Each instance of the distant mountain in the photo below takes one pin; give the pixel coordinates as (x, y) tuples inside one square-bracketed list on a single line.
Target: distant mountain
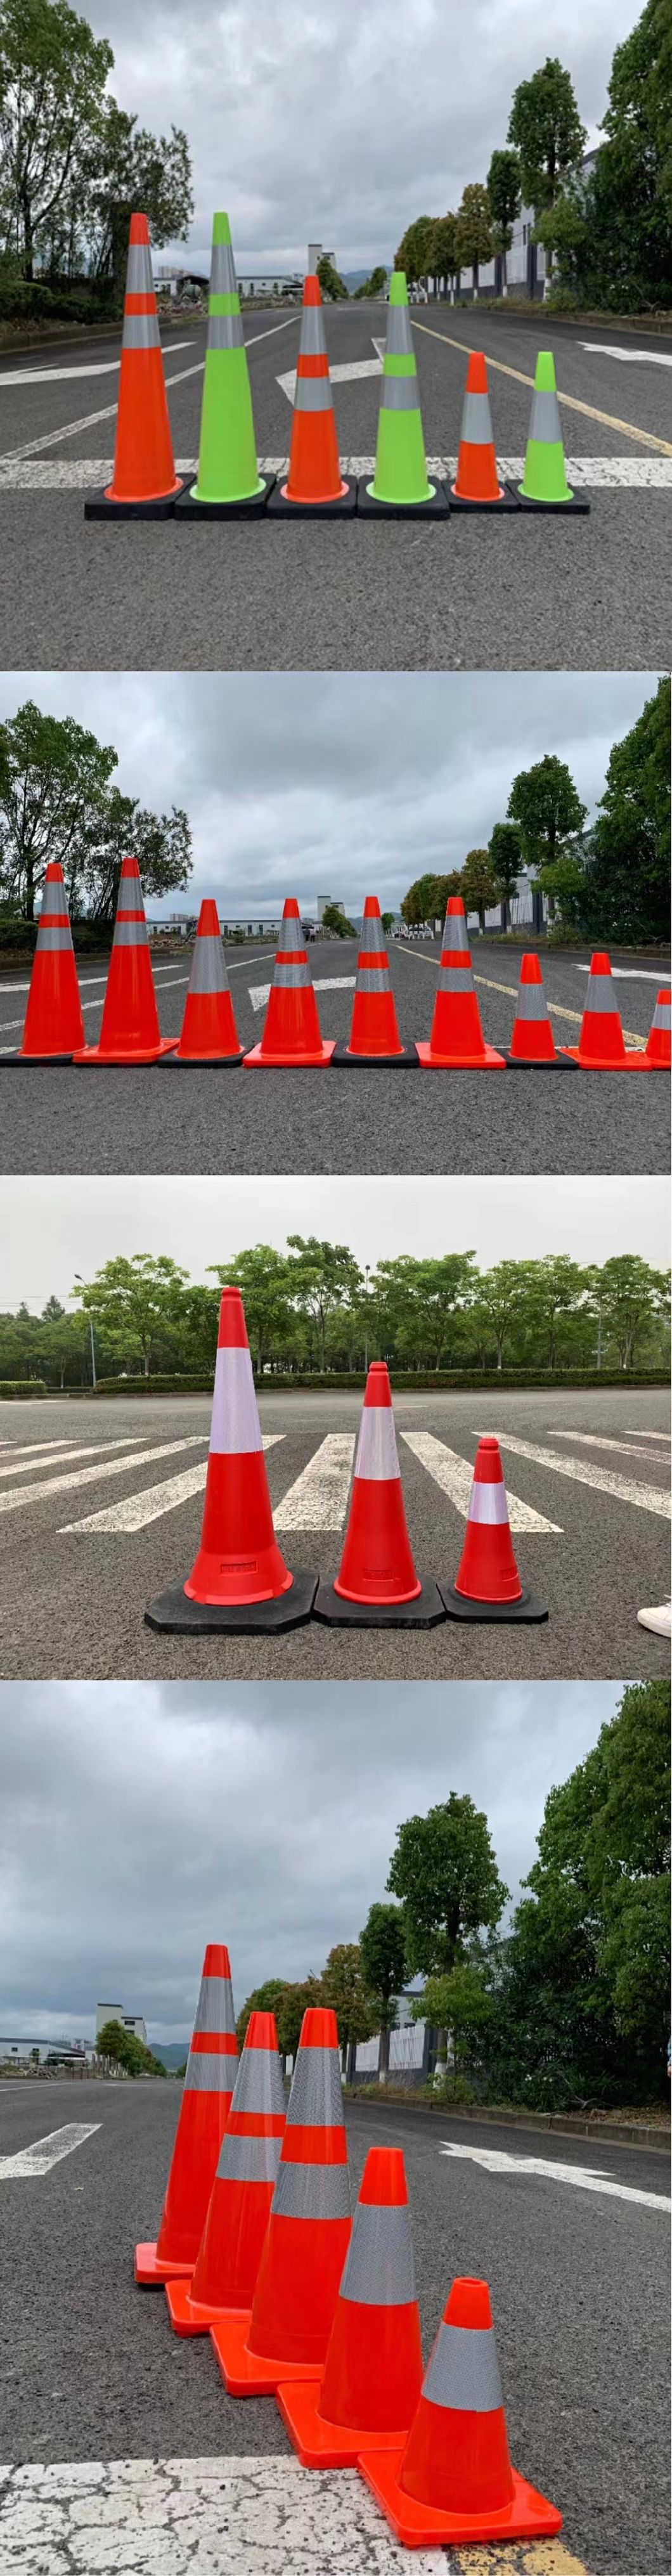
[(353, 277), (171, 2056)]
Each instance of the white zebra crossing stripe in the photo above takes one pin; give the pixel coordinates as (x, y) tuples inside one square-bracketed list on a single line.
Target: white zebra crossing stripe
[(241, 2515), (88, 1475), (94, 1448), (648, 1498), (137, 1510), (628, 1448), (318, 1499), (455, 1476), (259, 993), (582, 2177), (32, 2161)]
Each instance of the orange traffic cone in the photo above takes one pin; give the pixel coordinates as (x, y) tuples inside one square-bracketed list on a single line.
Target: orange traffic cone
[(452, 2480), (532, 1041), (204, 2111), (658, 1041), (292, 1033), (487, 1585), (314, 482), (130, 1032), (601, 1047), (457, 1037), (286, 2334), (144, 482), (374, 1034), (477, 485), (231, 2245), (373, 2370), (53, 1027), (240, 1581), (377, 1586), (208, 1034)]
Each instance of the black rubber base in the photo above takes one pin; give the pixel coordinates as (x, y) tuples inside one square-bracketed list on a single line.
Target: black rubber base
[(279, 508), (368, 508), (179, 1617), (502, 1614), (343, 1057), (204, 1063), (18, 1058), (98, 507), (425, 1612), (530, 1064), (577, 508), (490, 509), (251, 508)]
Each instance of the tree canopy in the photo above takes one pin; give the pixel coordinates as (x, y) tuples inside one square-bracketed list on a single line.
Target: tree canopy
[(58, 800), (73, 164)]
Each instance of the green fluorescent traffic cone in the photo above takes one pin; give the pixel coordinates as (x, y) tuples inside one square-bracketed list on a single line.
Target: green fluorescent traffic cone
[(400, 480), (228, 478), (544, 485)]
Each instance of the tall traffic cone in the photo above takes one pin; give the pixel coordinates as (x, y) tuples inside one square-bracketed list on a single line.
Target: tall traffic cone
[(401, 481), (601, 1047), (477, 485), (452, 2480), (208, 1034), (377, 1586), (374, 1034), (130, 1032), (457, 1037), (204, 2111), (369, 2390), (228, 484), (292, 1033), (53, 1027), (239, 1582), (544, 485), (532, 1041), (487, 1585), (314, 482), (658, 1041), (144, 482), (285, 2336), (230, 2250)]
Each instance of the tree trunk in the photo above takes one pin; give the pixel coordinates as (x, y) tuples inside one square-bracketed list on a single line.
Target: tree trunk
[(474, 280), (505, 282), (146, 1359), (383, 2056)]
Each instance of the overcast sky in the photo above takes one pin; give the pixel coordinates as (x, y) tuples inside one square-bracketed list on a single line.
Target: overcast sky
[(336, 783), (140, 1820), (322, 120)]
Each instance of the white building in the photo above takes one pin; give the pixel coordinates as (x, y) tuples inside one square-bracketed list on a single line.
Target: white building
[(129, 2021), (250, 282)]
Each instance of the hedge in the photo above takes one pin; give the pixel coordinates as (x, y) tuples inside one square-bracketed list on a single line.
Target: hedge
[(10, 1386), (23, 300), (94, 936), (489, 1381)]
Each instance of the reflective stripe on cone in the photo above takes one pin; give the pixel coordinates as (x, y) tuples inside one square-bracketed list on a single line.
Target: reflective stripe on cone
[(285, 2335), (372, 2376), (314, 470), (601, 1047), (532, 1040), (130, 1032), (238, 1559), (658, 1041), (53, 1024), (374, 1028), (230, 2250), (208, 1030), (452, 2480), (228, 473), (544, 485), (488, 1584), (292, 1033), (204, 2111), (477, 480), (456, 1036), (377, 1561), (144, 466), (400, 478)]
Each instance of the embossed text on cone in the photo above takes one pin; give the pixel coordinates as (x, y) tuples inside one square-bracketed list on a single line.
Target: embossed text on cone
[(452, 2480), (208, 1035), (477, 485), (130, 1032), (144, 482), (601, 1047), (544, 485), (53, 1028), (658, 1041), (292, 1033), (374, 1034), (369, 2389), (229, 2254), (487, 1585), (228, 483), (533, 1047), (401, 482), (239, 1582), (204, 2111), (457, 1040), (377, 1585), (287, 2331), (315, 484)]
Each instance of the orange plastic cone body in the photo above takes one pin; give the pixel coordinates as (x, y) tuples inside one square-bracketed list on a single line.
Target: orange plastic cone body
[(532, 1036), (453, 2480), (231, 2245), (286, 2334), (477, 478), (144, 466), (204, 2111), (377, 1561), (658, 1042), (292, 1033), (130, 1032), (208, 1027), (238, 1559), (488, 1570), (457, 1037), (314, 469), (374, 1029), (601, 1046), (373, 2370), (53, 1023)]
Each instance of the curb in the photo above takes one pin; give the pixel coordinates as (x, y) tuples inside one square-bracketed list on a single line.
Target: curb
[(622, 2133)]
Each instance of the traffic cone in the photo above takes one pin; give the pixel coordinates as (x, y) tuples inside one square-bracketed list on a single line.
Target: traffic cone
[(144, 482), (369, 2390), (487, 1585), (130, 1032), (658, 1041), (239, 1582), (208, 1034), (400, 481), (286, 2333), (477, 485), (457, 1037), (452, 2480), (53, 1025), (601, 1047), (544, 485), (374, 1034), (377, 1586), (314, 482), (532, 1041), (292, 1033), (204, 2111), (230, 2250), (228, 484)]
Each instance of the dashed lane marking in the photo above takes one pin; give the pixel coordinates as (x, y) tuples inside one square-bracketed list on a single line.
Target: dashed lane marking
[(30, 2162), (580, 2177), (87, 1475), (648, 1498), (558, 1009), (628, 428), (137, 1510), (318, 1499), (455, 1477)]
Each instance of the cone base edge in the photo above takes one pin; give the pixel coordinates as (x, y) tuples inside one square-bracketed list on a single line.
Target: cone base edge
[(508, 500), (136, 1055), (175, 1615), (425, 1610), (100, 506), (488, 1062), (193, 2317), (634, 1061), (559, 1063), (248, 505), (342, 507), (574, 507), (211, 1063), (17, 1057), (252, 2374), (528, 2516), (460, 1605), (370, 506), (152, 2275), (348, 1057), (290, 1063), (318, 2443)]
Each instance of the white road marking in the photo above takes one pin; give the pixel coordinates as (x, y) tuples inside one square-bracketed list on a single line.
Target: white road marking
[(318, 1499), (648, 1498), (455, 1476), (46, 2152), (631, 357), (139, 1509), (259, 993), (66, 375), (161, 974), (629, 1448), (632, 974), (583, 2177), (239, 2516), (73, 428), (343, 375), (88, 1475), (93, 1005), (23, 1467), (32, 1448), (21, 469)]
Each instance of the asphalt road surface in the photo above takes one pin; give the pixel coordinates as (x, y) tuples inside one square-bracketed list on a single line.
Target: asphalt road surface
[(91, 2372), (154, 1119), (526, 593), (101, 1506)]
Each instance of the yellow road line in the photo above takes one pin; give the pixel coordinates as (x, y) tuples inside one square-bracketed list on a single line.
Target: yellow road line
[(524, 2558), (559, 1008), (645, 437)]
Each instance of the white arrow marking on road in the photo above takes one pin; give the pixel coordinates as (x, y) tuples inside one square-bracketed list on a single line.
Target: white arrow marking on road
[(632, 357), (634, 974), (344, 375), (65, 375), (455, 1477), (88, 1475), (46, 2151), (139, 1509), (323, 984), (649, 1498), (584, 2177), (319, 1497)]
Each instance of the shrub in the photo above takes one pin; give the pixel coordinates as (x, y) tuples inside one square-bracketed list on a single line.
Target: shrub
[(10, 1386)]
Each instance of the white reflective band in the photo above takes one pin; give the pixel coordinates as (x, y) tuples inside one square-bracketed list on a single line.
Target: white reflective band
[(316, 2098), (398, 342), (372, 935), (222, 270), (291, 936), (476, 422), (235, 1420), (311, 2191), (378, 2269), (207, 2073), (312, 343), (454, 932), (139, 280), (599, 994), (661, 1016), (47, 938), (545, 417), (130, 934), (248, 2159), (531, 1002), (488, 1503), (373, 979), (290, 978), (399, 393), (313, 393), (463, 2370), (225, 331), (259, 2086), (214, 2010), (376, 1458), (141, 331), (208, 970), (455, 979)]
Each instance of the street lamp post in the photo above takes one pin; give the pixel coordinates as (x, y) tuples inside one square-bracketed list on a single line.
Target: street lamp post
[(82, 1284), (367, 1267)]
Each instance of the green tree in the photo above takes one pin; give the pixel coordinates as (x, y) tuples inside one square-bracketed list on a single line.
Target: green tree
[(628, 865), (382, 1950), (545, 805), (442, 250), (445, 1874), (262, 1999), (334, 922), (53, 73), (417, 1301), (459, 2004), (373, 287), (342, 1986), (546, 131), (137, 1298), (321, 1277), (292, 2003), (133, 168), (476, 884), (473, 231), (388, 919), (57, 801), (504, 199), (630, 1297), (413, 252), (331, 286), (505, 855), (502, 1300), (558, 1287), (121, 2048), (614, 247), (264, 1278)]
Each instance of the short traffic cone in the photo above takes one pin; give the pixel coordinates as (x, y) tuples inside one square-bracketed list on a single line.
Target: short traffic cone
[(53, 1027), (314, 482), (457, 1037), (377, 1586), (228, 483), (292, 1033), (401, 481), (204, 2111), (488, 1586), (532, 1041), (374, 1034), (130, 1032), (544, 485), (452, 2480), (369, 2390), (285, 2336), (477, 485), (601, 1047), (658, 1041), (239, 1582), (208, 1034), (144, 482), (230, 2250)]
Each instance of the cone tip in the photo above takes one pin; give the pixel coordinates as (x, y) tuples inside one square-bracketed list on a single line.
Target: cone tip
[(221, 230), (398, 286), (319, 2027), (232, 1326), (261, 2031), (290, 909), (208, 919), (665, 994), (129, 868), (138, 230), (311, 288), (378, 1390), (216, 1962), (530, 970), (468, 2304), (371, 908), (454, 904), (600, 963), (545, 372), (477, 373), (383, 2183)]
